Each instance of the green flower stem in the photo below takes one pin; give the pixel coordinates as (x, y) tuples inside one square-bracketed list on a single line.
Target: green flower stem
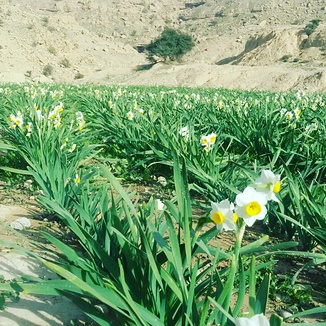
[(234, 265)]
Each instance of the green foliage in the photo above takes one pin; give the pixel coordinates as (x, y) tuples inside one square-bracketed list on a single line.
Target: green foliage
[(295, 294), (286, 57), (147, 266), (311, 26), (52, 145), (155, 267), (170, 45)]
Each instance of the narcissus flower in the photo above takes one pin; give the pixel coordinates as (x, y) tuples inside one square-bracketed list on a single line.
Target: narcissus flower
[(297, 113), (184, 132), (212, 138), (204, 140), (269, 184), (16, 121), (223, 216), (58, 108), (72, 148), (208, 141), (29, 128), (130, 115), (80, 120), (77, 179), (250, 205), (257, 320)]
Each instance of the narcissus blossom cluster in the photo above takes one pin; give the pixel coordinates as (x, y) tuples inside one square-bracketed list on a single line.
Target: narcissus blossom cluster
[(38, 117), (208, 141), (250, 205)]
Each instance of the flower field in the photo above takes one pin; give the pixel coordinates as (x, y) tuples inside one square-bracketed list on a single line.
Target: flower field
[(243, 158)]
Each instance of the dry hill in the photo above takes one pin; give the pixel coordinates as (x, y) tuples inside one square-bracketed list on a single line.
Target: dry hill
[(245, 44)]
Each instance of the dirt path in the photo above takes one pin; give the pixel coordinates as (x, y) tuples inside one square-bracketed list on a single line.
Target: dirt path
[(29, 310)]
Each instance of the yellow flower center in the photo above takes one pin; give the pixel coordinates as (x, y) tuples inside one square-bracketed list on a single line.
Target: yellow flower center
[(218, 218), (235, 217), (204, 141), (213, 139), (277, 187), (253, 208)]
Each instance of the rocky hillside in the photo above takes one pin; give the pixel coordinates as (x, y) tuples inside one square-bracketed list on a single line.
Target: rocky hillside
[(256, 44)]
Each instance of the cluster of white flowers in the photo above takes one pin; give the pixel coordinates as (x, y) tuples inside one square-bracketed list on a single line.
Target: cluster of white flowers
[(140, 111), (289, 114), (184, 133), (80, 120), (37, 117), (311, 127), (16, 120), (29, 128), (55, 115), (250, 204), (208, 141)]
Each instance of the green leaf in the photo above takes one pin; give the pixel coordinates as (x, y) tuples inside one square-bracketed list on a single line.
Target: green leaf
[(18, 171), (242, 289), (312, 311), (220, 308), (275, 320), (252, 286), (262, 296)]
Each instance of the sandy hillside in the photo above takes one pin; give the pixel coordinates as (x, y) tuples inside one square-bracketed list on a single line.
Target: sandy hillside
[(255, 44)]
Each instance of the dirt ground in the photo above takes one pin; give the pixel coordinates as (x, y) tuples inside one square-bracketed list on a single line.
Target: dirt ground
[(29, 310)]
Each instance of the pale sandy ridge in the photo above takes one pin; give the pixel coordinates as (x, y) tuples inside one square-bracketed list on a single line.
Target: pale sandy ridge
[(239, 44)]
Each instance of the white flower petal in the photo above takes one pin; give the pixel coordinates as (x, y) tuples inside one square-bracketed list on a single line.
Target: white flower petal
[(257, 320)]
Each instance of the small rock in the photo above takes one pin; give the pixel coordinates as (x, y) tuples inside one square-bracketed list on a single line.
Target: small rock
[(312, 272), (285, 313), (21, 223)]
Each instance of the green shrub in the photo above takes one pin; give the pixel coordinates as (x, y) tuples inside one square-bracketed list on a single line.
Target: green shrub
[(47, 70), (170, 45), (286, 57), (79, 75), (312, 26), (65, 63)]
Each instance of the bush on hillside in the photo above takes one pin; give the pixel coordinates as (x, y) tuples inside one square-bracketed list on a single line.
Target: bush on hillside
[(170, 45), (312, 26)]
